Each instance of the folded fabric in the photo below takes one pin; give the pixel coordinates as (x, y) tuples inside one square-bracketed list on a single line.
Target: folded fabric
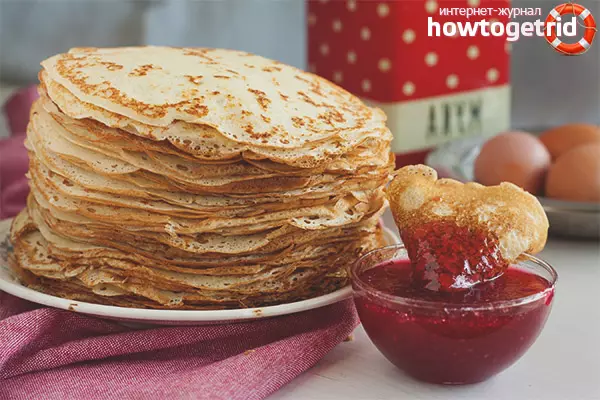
[(53, 354), (13, 184), (16, 109), (13, 155)]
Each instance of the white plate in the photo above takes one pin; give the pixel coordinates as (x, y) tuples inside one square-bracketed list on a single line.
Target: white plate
[(10, 284)]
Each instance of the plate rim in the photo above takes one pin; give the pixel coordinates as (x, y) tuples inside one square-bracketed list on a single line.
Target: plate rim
[(11, 286)]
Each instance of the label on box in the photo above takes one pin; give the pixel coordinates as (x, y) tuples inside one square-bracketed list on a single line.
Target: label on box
[(435, 120)]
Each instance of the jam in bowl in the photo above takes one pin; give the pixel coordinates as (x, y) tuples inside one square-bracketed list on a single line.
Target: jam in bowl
[(457, 337)]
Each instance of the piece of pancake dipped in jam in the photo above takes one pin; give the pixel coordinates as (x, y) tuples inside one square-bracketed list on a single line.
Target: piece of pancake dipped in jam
[(460, 234)]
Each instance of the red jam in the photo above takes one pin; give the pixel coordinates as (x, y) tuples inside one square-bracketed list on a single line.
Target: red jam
[(447, 257), (454, 337)]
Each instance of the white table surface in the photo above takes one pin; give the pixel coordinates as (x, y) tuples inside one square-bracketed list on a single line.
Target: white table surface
[(563, 364)]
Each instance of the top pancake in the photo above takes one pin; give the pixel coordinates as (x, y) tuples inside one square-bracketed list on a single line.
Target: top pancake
[(248, 99)]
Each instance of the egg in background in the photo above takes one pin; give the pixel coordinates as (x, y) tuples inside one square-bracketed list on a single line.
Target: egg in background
[(575, 175), (561, 139), (516, 157)]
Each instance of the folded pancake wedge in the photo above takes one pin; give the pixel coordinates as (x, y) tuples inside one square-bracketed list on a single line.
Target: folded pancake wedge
[(458, 235), (513, 216)]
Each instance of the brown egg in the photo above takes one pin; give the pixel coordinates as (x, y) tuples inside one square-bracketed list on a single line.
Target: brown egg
[(576, 175), (563, 138), (516, 157)]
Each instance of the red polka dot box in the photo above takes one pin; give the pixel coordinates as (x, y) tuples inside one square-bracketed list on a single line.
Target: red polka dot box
[(433, 88)]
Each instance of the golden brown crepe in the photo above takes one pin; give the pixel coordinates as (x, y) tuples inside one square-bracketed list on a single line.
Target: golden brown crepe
[(511, 215)]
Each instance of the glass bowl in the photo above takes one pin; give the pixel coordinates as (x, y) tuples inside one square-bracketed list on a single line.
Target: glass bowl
[(450, 343)]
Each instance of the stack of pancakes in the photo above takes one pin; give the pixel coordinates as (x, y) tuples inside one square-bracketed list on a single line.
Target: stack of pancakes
[(196, 179)]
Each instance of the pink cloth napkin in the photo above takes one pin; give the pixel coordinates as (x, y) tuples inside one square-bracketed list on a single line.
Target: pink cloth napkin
[(13, 155), (49, 354), (16, 109), (13, 184)]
